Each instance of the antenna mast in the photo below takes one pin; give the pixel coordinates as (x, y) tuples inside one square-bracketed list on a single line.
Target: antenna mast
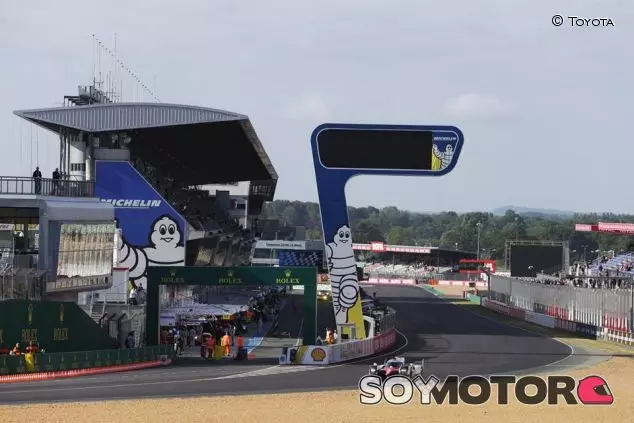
[(126, 69)]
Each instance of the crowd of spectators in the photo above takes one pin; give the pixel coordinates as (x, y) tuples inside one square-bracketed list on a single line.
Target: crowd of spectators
[(226, 242), (603, 273), (405, 271)]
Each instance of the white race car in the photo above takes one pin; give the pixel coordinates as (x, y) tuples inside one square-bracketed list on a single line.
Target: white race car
[(397, 366)]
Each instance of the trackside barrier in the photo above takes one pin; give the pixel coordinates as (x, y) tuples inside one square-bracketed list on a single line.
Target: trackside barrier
[(583, 329), (390, 281), (478, 284), (344, 351), (352, 350), (608, 308), (40, 366)]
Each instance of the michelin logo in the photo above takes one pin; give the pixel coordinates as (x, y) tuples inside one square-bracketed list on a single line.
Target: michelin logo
[(165, 249), (133, 204), (343, 273), (439, 138)]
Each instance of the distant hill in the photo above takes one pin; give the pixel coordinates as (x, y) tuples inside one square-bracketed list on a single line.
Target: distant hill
[(527, 211)]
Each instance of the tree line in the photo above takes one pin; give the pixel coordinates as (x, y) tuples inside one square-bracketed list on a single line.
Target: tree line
[(450, 229)]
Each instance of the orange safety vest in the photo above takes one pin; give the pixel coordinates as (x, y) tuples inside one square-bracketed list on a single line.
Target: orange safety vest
[(240, 342), (226, 341)]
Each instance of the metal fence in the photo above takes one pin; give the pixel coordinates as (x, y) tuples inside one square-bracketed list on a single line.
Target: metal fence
[(608, 308), (55, 187), (453, 276)]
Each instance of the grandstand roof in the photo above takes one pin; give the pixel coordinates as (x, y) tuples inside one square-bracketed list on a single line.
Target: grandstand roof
[(125, 116), (202, 140)]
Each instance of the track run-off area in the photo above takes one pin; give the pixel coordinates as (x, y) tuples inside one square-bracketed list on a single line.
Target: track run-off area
[(451, 339)]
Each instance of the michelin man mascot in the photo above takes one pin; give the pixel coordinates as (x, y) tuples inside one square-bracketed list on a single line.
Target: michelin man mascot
[(343, 273), (444, 156), (165, 249)]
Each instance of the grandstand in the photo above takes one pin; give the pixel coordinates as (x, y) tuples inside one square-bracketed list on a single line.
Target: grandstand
[(155, 161), (288, 253), (622, 264), (406, 262), (376, 259)]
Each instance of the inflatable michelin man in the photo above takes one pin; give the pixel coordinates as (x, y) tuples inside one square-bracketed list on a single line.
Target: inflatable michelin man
[(343, 273), (165, 249), (444, 156)]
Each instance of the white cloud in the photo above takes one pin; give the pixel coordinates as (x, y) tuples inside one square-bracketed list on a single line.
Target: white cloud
[(309, 107), (477, 106)]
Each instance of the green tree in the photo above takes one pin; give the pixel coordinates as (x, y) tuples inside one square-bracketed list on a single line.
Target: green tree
[(397, 235), (446, 229)]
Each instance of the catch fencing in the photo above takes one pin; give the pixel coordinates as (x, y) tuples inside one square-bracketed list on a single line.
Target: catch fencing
[(607, 308)]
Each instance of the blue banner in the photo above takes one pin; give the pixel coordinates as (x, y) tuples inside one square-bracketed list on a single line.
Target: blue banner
[(153, 232)]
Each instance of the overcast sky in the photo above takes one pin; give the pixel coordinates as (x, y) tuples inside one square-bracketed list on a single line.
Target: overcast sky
[(545, 110)]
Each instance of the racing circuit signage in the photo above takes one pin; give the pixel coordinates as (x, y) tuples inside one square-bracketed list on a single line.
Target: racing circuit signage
[(172, 278), (231, 276), (230, 279), (133, 204), (342, 151), (193, 275), (288, 279)]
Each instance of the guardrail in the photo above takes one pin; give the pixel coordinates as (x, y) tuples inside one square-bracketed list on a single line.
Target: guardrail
[(56, 362), (607, 308), (53, 187), (347, 350), (582, 329), (390, 281)]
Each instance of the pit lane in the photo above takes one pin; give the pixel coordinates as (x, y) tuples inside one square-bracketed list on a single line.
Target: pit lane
[(452, 341)]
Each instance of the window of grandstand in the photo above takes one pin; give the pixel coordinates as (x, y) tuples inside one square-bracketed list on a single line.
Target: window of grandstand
[(78, 167), (26, 237), (85, 249)]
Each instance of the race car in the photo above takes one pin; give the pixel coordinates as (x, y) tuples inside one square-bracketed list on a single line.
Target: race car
[(397, 366), (324, 295)]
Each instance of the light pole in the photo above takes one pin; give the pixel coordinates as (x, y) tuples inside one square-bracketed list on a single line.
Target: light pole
[(517, 231), (479, 226)]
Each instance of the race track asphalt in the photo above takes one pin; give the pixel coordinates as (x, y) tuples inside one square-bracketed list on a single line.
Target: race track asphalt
[(451, 339)]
